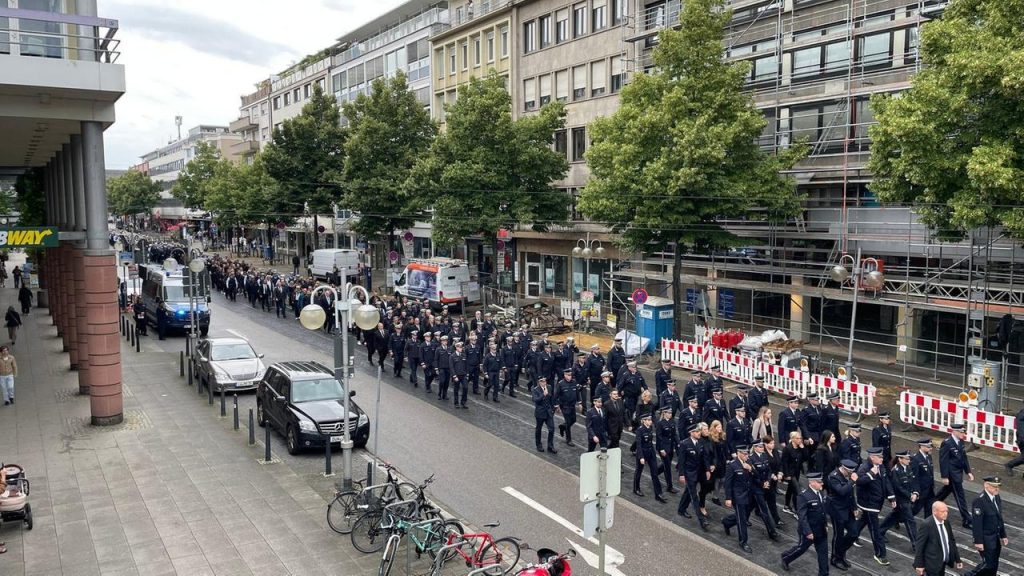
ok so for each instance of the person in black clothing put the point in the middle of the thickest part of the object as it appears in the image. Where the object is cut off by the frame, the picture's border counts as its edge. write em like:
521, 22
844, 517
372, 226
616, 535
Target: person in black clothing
380, 344
595, 366
25, 298
615, 417
597, 426
792, 466
825, 457
544, 414
412, 352
161, 318
397, 344
1020, 444
139, 312
13, 321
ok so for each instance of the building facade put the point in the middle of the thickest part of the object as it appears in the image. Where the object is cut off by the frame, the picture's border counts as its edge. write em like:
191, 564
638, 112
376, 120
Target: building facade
290, 90
254, 123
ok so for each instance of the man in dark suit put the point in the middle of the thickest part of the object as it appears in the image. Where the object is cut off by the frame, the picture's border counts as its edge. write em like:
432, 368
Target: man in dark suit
812, 510
936, 546
544, 413
615, 417
989, 529
597, 426
380, 344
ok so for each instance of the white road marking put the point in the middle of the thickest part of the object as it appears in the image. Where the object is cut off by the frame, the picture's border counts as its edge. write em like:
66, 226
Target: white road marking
612, 556
592, 559
237, 333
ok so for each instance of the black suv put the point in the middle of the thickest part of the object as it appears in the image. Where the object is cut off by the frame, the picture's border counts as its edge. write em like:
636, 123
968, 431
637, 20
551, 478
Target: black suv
304, 401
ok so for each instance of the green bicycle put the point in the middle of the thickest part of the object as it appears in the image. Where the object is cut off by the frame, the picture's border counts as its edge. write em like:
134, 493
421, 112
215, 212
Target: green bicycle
427, 536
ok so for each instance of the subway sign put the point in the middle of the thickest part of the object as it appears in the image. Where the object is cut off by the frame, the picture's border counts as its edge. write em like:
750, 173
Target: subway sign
29, 238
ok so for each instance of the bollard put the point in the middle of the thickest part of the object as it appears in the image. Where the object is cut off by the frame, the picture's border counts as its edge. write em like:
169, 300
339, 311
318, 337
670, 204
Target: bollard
369, 473
138, 341
266, 444
181, 363
123, 325
188, 344
236, 411
209, 393
191, 371
252, 429
223, 411
327, 456
131, 338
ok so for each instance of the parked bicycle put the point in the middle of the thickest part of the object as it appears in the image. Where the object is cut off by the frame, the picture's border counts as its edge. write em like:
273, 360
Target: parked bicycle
426, 536
349, 504
371, 529
485, 550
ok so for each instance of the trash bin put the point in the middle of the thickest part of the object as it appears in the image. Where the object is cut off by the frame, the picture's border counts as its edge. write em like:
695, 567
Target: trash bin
42, 299
654, 321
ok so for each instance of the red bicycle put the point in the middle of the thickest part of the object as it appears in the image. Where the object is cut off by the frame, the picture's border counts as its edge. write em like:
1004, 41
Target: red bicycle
486, 550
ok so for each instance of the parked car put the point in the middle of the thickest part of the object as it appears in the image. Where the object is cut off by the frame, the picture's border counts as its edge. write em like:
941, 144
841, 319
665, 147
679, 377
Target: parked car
227, 364
305, 402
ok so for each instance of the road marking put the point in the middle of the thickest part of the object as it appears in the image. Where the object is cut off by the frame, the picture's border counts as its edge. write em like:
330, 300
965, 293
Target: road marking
613, 556
237, 333
590, 558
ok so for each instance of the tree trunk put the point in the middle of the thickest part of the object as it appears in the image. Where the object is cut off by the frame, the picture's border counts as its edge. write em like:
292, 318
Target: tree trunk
316, 232
678, 297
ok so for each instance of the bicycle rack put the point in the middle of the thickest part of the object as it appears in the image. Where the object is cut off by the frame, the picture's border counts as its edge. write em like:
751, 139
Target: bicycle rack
439, 560
492, 570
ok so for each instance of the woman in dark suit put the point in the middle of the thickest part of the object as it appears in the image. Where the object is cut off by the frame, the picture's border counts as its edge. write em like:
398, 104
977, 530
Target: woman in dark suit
826, 459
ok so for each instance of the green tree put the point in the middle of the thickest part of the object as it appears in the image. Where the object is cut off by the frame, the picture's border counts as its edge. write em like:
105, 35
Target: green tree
486, 171
680, 154
243, 195
388, 131
30, 198
307, 156
132, 193
953, 144
192, 185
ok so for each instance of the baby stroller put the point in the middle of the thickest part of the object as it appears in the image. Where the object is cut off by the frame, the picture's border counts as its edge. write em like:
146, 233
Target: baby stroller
14, 506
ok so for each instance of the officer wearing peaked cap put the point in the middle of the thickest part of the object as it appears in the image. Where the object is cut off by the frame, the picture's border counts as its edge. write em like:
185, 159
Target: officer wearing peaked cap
739, 478
841, 510
662, 376
830, 414
666, 440
692, 467
849, 448
812, 510
669, 398
874, 492
881, 437
566, 397
923, 466
988, 528
904, 486
789, 417
646, 456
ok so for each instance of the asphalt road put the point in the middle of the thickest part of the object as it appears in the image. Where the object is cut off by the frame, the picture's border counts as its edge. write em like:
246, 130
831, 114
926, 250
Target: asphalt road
487, 470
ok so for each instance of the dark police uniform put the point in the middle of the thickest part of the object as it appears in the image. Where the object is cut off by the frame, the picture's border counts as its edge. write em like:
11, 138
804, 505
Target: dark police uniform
459, 367
696, 388
473, 353
666, 440
713, 410
761, 484
789, 421
849, 449
923, 467
841, 507
904, 486
595, 365
510, 361
428, 360
830, 419
739, 478
953, 464
881, 437
412, 352
811, 424
616, 358
492, 367
566, 396
645, 451
737, 433
397, 345
811, 509
544, 413
989, 530
756, 399
443, 359
873, 490
597, 426
630, 386
692, 466
670, 399
661, 377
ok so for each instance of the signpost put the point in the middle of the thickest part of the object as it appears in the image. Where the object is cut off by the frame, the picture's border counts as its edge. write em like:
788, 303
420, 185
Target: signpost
600, 483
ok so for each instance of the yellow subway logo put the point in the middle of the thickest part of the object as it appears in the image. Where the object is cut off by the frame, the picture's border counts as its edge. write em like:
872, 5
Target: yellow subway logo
29, 238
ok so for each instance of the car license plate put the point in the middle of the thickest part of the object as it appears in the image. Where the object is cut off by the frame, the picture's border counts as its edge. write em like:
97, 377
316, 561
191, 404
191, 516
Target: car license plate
337, 438
242, 384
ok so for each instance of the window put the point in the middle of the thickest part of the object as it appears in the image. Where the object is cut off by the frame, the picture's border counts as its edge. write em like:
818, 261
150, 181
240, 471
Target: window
562, 25
827, 59
529, 36
296, 96
765, 68
545, 89
321, 84
561, 143
555, 272
305, 90
874, 50
451, 60
476, 51
287, 98
837, 56
504, 41
579, 82
618, 77
806, 62
562, 85
545, 31
911, 43
579, 143
863, 117
337, 82
490, 46
263, 133
579, 20
263, 109
598, 77
598, 16
530, 93
823, 125
277, 102
464, 49
618, 11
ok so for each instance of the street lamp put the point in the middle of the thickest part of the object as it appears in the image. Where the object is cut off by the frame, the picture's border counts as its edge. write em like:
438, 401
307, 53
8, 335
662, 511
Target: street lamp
346, 311
587, 249
847, 268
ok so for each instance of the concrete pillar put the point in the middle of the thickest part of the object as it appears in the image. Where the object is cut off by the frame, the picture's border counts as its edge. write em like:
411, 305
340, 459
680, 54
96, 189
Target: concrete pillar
67, 279
69, 189
908, 325
103, 332
78, 182
81, 322
799, 312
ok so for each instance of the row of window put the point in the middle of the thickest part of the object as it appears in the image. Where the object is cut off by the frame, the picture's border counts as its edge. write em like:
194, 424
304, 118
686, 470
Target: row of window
548, 274
579, 143
483, 47
571, 22
298, 94
828, 127
575, 81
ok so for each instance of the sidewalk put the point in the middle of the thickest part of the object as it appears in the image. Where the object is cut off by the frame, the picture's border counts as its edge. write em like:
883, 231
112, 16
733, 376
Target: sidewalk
172, 490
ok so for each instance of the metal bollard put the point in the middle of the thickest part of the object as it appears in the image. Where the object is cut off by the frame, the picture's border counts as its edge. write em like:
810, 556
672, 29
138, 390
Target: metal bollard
191, 371
369, 473
236, 411
252, 429
327, 456
209, 393
223, 411
181, 363
266, 444
123, 325
131, 338
138, 341
188, 344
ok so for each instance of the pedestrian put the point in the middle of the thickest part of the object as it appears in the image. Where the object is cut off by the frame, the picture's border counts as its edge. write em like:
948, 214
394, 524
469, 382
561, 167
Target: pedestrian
849, 449
693, 468
492, 372
789, 417
8, 371
427, 359
841, 511
662, 376
646, 457
1020, 444
25, 297
139, 313
924, 473
397, 346
459, 374
295, 264
13, 322
812, 511
762, 425
761, 483
737, 431
16, 274
3, 276
615, 416
412, 352
161, 318
544, 414
443, 358
669, 398
936, 544
739, 479
881, 437
597, 426
718, 455
988, 528
825, 458
904, 486
566, 397
953, 465
666, 440
873, 490
792, 466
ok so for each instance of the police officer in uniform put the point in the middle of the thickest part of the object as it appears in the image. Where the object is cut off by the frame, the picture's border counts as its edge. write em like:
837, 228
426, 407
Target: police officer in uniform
810, 423
646, 456
761, 485
692, 467
688, 416
492, 369
474, 353
443, 358
566, 396
696, 388
669, 398
923, 468
595, 366
841, 510
662, 376
412, 352
739, 478
616, 357
427, 359
597, 426
873, 490
881, 437
604, 386
904, 486
397, 345
530, 363
665, 443
737, 431
631, 385
581, 374
953, 464
988, 528
714, 409
830, 414
757, 397
510, 362
812, 509
544, 413
459, 374
740, 399
789, 417
849, 448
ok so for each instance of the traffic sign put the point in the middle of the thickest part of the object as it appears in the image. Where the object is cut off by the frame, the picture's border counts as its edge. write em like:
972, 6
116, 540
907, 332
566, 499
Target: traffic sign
126, 258
393, 256
592, 516
639, 296
590, 474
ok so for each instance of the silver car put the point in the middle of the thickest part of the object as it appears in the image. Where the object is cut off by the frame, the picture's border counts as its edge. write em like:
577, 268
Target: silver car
228, 364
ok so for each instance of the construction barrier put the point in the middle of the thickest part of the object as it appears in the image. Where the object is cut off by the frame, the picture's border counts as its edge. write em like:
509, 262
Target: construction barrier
853, 396
684, 354
997, 431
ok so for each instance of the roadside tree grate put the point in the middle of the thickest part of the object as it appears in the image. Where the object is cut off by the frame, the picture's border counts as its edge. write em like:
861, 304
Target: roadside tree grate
82, 425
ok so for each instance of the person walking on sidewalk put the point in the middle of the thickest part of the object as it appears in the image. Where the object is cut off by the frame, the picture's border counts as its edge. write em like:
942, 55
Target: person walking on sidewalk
16, 273
25, 297
1020, 444
953, 466
8, 370
13, 322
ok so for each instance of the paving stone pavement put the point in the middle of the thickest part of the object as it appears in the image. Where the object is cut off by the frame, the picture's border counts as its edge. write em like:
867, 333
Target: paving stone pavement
172, 490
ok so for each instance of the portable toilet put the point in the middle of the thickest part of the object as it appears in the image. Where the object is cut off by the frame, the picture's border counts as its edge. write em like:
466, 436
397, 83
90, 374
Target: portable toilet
654, 321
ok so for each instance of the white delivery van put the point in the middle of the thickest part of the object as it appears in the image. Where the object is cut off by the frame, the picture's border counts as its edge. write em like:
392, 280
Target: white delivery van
439, 281
324, 262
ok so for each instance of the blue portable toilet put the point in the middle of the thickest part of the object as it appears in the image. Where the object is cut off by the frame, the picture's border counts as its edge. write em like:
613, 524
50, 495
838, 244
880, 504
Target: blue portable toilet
654, 321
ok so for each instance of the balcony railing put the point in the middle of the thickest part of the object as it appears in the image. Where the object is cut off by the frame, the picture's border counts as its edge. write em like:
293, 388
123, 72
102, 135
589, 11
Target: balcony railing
35, 33
242, 124
245, 147
470, 11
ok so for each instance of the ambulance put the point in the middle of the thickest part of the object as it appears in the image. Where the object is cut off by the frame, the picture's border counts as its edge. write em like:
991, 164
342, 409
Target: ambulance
439, 281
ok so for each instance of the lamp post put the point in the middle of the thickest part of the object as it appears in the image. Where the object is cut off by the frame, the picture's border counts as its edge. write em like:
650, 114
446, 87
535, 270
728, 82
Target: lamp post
346, 311
587, 249
874, 279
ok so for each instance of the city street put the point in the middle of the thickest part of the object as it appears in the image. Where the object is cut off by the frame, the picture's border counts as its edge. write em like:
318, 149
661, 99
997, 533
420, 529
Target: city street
487, 469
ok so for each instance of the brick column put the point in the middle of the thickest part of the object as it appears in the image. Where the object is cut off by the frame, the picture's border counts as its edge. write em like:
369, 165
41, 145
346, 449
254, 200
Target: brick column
104, 338
72, 305
82, 323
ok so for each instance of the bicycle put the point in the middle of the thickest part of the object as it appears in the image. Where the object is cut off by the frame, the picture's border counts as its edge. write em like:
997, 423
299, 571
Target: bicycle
502, 552
369, 531
436, 532
349, 504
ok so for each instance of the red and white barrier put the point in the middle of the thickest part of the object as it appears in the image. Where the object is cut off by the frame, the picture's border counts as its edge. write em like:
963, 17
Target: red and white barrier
853, 396
685, 355
997, 431
785, 381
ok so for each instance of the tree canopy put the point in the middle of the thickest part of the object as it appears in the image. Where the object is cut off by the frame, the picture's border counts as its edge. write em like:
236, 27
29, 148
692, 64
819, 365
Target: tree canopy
243, 195
192, 185
953, 144
388, 131
486, 171
680, 154
132, 193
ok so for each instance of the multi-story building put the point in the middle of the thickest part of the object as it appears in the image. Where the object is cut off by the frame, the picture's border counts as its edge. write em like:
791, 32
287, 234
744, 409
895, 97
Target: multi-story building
254, 123
290, 90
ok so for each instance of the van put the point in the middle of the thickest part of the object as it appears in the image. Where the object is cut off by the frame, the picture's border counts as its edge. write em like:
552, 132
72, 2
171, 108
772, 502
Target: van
440, 281
324, 261
173, 291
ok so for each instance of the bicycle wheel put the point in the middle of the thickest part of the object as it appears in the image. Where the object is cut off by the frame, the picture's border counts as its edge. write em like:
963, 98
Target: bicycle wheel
342, 512
406, 491
503, 551
450, 530
367, 535
390, 552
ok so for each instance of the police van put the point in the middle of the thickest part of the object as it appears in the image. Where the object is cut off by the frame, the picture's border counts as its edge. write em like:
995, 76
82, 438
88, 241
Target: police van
439, 281
171, 290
